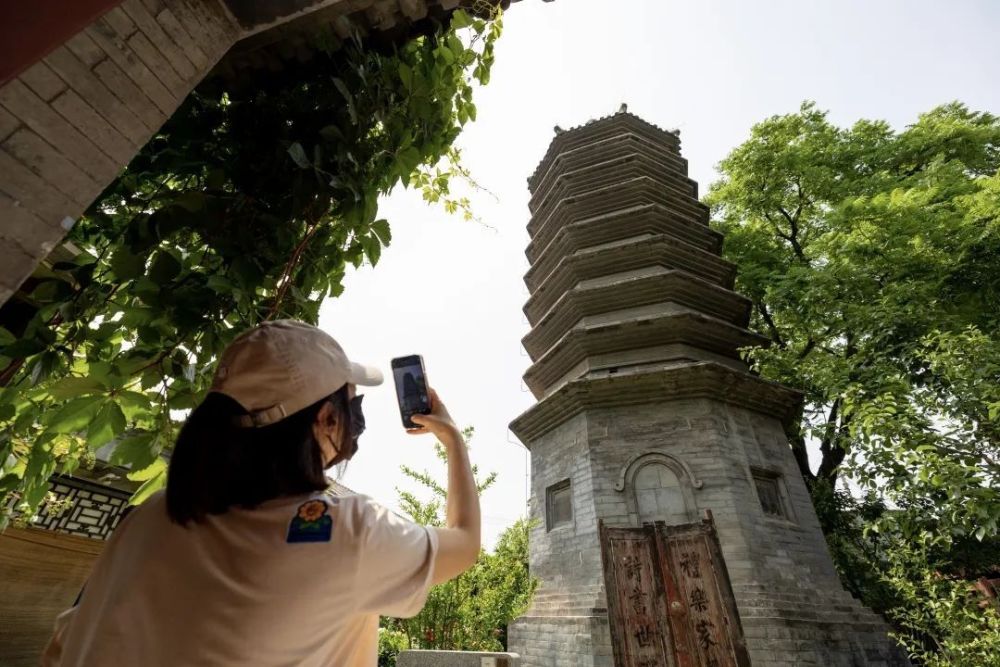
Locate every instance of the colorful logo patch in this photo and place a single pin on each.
(311, 523)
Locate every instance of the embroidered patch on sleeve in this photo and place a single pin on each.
(311, 523)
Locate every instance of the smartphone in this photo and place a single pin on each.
(411, 388)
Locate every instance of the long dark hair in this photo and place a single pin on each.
(216, 464)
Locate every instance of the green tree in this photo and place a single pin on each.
(247, 205)
(870, 258)
(470, 612)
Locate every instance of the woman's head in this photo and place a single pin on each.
(282, 409)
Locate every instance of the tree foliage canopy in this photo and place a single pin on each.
(870, 256)
(871, 259)
(247, 205)
(470, 612)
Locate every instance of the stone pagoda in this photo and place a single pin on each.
(646, 412)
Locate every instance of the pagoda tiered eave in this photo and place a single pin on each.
(665, 382)
(608, 294)
(667, 335)
(647, 220)
(597, 130)
(621, 257)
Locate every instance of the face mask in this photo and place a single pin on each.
(355, 425)
(356, 418)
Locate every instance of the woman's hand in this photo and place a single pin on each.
(438, 422)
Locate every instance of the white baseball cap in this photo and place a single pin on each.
(283, 366)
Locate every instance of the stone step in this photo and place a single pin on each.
(793, 594)
(828, 615)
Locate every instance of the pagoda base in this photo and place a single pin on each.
(562, 641)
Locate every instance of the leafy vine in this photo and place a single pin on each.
(246, 206)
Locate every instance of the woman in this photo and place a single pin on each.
(244, 560)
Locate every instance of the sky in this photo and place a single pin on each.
(452, 291)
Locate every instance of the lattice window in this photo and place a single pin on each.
(769, 492)
(94, 510)
(558, 505)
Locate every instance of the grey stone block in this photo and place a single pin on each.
(416, 658)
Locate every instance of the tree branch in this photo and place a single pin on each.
(793, 237)
(766, 316)
(830, 446)
(286, 274)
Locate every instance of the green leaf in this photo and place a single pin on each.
(191, 200)
(8, 483)
(408, 160)
(216, 179)
(72, 386)
(406, 75)
(74, 415)
(6, 337)
(108, 423)
(342, 87)
(133, 402)
(155, 467)
(165, 268)
(154, 483)
(126, 265)
(220, 284)
(24, 348)
(299, 156)
(35, 492)
(49, 291)
(445, 54)
(136, 452)
(460, 19)
(332, 133)
(44, 366)
(373, 249)
(382, 230)
(133, 362)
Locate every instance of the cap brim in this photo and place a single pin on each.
(367, 376)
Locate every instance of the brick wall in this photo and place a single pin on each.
(793, 607)
(72, 121)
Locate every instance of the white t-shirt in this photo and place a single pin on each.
(296, 581)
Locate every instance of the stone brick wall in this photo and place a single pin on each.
(424, 658)
(563, 641)
(71, 122)
(793, 607)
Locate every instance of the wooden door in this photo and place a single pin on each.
(680, 572)
(637, 604)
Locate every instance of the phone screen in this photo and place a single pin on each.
(411, 388)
